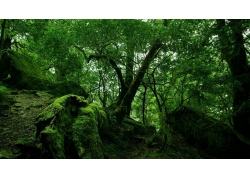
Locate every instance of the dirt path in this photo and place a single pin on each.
(18, 121)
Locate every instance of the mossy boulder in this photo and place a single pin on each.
(210, 135)
(69, 128)
(20, 71)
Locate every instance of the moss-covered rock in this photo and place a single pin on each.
(69, 128)
(25, 74)
(210, 135)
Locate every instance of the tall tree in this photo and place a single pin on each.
(233, 51)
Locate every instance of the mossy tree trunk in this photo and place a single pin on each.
(235, 55)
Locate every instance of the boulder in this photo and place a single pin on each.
(210, 135)
(20, 71)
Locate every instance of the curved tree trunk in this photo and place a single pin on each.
(121, 110)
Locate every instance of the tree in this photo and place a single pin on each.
(121, 110)
(233, 51)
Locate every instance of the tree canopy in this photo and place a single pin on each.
(144, 69)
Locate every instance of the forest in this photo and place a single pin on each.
(124, 89)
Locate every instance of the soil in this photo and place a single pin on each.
(17, 121)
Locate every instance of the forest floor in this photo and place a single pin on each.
(17, 121)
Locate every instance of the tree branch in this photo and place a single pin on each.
(80, 49)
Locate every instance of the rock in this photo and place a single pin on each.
(210, 135)
(24, 74)
(43, 94)
(17, 104)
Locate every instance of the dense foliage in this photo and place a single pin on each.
(146, 69)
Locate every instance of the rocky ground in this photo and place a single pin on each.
(17, 121)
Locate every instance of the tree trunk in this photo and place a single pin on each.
(121, 110)
(129, 67)
(237, 61)
(2, 34)
(240, 72)
(144, 105)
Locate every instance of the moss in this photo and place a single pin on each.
(25, 74)
(26, 142)
(24, 64)
(65, 87)
(6, 154)
(54, 141)
(51, 114)
(55, 110)
(88, 111)
(103, 123)
(68, 128)
(4, 92)
(86, 138)
(93, 110)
